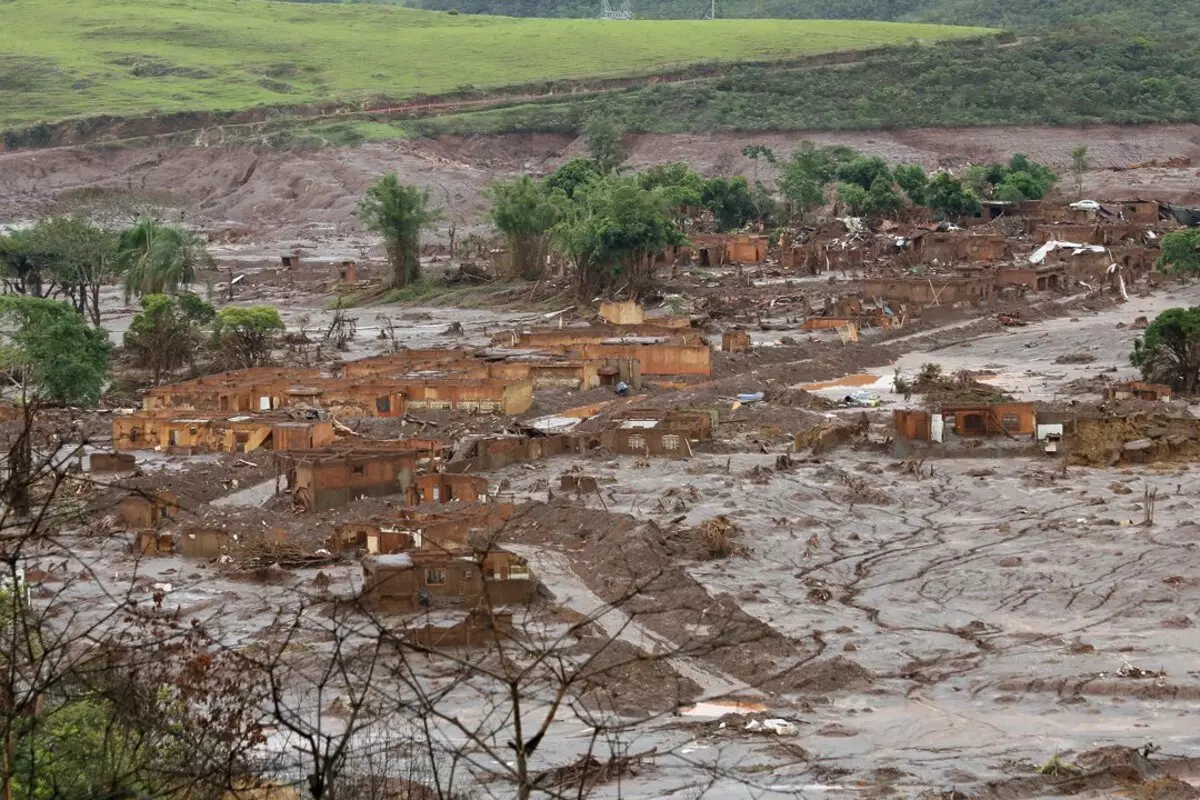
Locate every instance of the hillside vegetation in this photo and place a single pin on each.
(86, 57)
(1017, 15)
(1070, 78)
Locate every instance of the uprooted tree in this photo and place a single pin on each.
(1169, 351)
(399, 213)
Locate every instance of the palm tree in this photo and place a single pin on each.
(159, 259)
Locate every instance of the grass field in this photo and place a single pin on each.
(65, 58)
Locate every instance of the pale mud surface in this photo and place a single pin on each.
(983, 617)
(273, 196)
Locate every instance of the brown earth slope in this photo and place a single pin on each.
(271, 193)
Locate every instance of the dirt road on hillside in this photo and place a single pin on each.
(271, 195)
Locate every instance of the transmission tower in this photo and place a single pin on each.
(712, 10)
(608, 12)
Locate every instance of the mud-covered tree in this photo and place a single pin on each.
(399, 213)
(246, 337)
(756, 153)
(159, 259)
(525, 211)
(1181, 252)
(1169, 351)
(913, 180)
(168, 332)
(613, 232)
(603, 138)
(948, 197)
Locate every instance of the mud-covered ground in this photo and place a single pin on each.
(922, 627)
(280, 198)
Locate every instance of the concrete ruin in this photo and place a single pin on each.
(423, 579)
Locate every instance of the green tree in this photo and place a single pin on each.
(159, 259)
(604, 143)
(248, 336)
(1169, 351)
(613, 234)
(525, 211)
(1079, 165)
(399, 213)
(947, 196)
(572, 175)
(1181, 252)
(682, 186)
(853, 199)
(730, 201)
(80, 257)
(25, 266)
(51, 352)
(912, 179)
(863, 171)
(168, 332)
(882, 197)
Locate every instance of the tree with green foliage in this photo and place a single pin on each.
(613, 233)
(682, 185)
(572, 175)
(853, 199)
(604, 143)
(1079, 165)
(168, 332)
(399, 213)
(804, 176)
(731, 202)
(81, 258)
(1181, 252)
(948, 197)
(1020, 179)
(1169, 351)
(159, 259)
(247, 336)
(51, 352)
(863, 171)
(912, 179)
(525, 211)
(26, 269)
(882, 197)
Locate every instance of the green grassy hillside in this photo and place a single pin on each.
(63, 58)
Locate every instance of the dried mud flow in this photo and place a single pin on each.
(271, 195)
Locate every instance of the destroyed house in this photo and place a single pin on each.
(592, 334)
(320, 480)
(1040, 277)
(208, 434)
(426, 580)
(142, 511)
(654, 357)
(1012, 420)
(948, 247)
(405, 361)
(246, 390)
(412, 528)
(659, 433)
(1139, 390)
(929, 290)
(442, 488)
(481, 396)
